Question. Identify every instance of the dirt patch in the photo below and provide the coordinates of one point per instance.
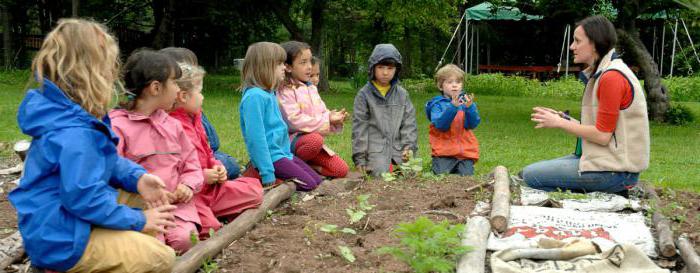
(8, 216)
(290, 239)
(683, 209)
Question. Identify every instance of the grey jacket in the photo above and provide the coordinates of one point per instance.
(382, 127)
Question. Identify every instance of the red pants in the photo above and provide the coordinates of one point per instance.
(226, 200)
(309, 147)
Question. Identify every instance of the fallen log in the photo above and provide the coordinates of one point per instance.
(690, 257)
(664, 235)
(11, 250)
(192, 260)
(476, 236)
(12, 170)
(500, 204)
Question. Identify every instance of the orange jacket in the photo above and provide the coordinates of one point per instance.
(458, 141)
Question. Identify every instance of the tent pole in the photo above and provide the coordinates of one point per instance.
(471, 50)
(673, 51)
(477, 51)
(568, 41)
(451, 39)
(466, 44)
(663, 46)
(691, 40)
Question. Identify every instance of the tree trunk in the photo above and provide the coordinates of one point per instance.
(318, 41)
(406, 70)
(281, 11)
(6, 38)
(657, 95)
(75, 7)
(163, 31)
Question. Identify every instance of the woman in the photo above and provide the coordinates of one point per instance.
(613, 134)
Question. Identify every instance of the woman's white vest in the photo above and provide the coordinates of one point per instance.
(628, 149)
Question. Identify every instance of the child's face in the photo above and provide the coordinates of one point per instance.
(279, 71)
(192, 100)
(451, 86)
(384, 73)
(168, 94)
(301, 66)
(316, 74)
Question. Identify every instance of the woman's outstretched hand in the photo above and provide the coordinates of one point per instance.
(546, 117)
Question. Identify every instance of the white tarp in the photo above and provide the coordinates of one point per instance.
(594, 201)
(528, 224)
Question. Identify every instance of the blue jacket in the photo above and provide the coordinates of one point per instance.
(212, 136)
(264, 131)
(441, 112)
(70, 178)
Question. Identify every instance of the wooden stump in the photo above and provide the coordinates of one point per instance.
(663, 227)
(476, 236)
(192, 260)
(500, 205)
(690, 257)
(21, 147)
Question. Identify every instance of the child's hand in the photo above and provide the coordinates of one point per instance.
(183, 193)
(456, 101)
(211, 176)
(152, 190)
(468, 100)
(221, 172)
(406, 154)
(159, 218)
(336, 117)
(362, 169)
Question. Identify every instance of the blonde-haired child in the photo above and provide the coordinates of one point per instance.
(150, 137)
(220, 197)
(306, 114)
(452, 115)
(66, 201)
(263, 127)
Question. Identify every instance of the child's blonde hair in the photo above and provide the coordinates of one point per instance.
(260, 65)
(449, 70)
(82, 59)
(190, 75)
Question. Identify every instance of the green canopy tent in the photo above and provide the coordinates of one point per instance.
(483, 12)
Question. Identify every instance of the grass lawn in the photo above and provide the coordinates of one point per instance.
(506, 134)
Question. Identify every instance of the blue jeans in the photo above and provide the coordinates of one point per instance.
(451, 165)
(562, 173)
(230, 163)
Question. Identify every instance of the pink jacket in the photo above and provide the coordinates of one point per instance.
(304, 110)
(159, 144)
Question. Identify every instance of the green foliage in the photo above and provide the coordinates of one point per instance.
(605, 8)
(679, 114)
(411, 168)
(389, 177)
(346, 253)
(209, 266)
(363, 206)
(561, 195)
(427, 246)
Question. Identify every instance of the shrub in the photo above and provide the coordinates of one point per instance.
(679, 114)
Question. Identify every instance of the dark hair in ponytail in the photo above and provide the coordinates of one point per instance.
(143, 67)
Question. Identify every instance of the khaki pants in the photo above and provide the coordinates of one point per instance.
(124, 251)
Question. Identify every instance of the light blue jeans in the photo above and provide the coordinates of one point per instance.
(562, 173)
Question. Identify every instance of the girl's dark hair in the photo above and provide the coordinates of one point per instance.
(181, 55)
(293, 49)
(144, 67)
(601, 32)
(388, 62)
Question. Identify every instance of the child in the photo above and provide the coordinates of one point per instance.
(150, 137)
(219, 197)
(307, 116)
(315, 71)
(233, 170)
(384, 120)
(453, 116)
(66, 200)
(262, 125)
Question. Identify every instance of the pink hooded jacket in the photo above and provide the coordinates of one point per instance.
(159, 144)
(304, 110)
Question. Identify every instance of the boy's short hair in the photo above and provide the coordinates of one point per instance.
(449, 70)
(388, 62)
(315, 60)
